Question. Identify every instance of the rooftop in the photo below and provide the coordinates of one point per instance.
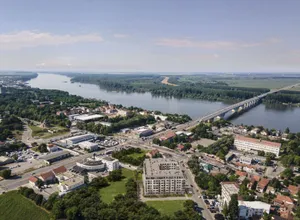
(88, 117)
(33, 179)
(231, 187)
(161, 167)
(47, 175)
(257, 141)
(55, 155)
(263, 182)
(256, 205)
(283, 199)
(60, 169)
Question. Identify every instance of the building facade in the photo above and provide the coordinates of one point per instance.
(251, 144)
(249, 209)
(163, 177)
(111, 163)
(228, 189)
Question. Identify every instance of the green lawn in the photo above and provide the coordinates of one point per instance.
(108, 193)
(14, 206)
(43, 133)
(137, 155)
(167, 207)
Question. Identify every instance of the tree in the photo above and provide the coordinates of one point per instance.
(99, 182)
(225, 210)
(267, 216)
(115, 175)
(38, 199)
(287, 173)
(39, 183)
(268, 161)
(5, 173)
(233, 208)
(287, 130)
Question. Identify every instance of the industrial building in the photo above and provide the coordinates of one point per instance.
(52, 157)
(145, 132)
(88, 118)
(77, 139)
(251, 144)
(89, 146)
(163, 177)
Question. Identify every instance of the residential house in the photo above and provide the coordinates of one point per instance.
(47, 177)
(293, 190)
(283, 200)
(152, 153)
(271, 190)
(168, 136)
(180, 147)
(253, 181)
(59, 170)
(262, 185)
(33, 181)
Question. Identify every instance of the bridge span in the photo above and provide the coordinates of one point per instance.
(246, 104)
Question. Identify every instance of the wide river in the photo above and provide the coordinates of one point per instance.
(278, 118)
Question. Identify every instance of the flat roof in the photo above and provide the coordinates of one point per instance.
(153, 167)
(80, 137)
(231, 187)
(256, 205)
(88, 117)
(87, 144)
(258, 141)
(55, 155)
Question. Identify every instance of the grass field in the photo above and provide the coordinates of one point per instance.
(14, 206)
(167, 207)
(261, 83)
(108, 193)
(43, 133)
(137, 155)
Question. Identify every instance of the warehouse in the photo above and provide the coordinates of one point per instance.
(50, 158)
(88, 118)
(78, 139)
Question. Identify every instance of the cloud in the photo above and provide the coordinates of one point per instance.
(121, 35)
(23, 39)
(188, 43)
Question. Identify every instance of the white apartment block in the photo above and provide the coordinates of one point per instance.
(163, 177)
(251, 144)
(228, 189)
(248, 209)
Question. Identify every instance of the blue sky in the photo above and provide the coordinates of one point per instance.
(150, 35)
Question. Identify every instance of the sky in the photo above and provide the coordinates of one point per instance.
(150, 35)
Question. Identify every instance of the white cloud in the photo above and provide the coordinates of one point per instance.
(121, 35)
(188, 43)
(34, 39)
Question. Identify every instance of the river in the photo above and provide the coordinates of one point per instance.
(275, 117)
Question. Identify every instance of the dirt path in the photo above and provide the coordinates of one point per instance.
(165, 81)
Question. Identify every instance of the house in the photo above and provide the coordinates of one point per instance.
(180, 147)
(59, 170)
(264, 133)
(293, 190)
(283, 200)
(168, 136)
(271, 190)
(52, 148)
(152, 153)
(47, 177)
(32, 181)
(253, 181)
(262, 185)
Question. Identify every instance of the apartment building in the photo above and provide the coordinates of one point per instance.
(163, 177)
(249, 209)
(251, 144)
(228, 189)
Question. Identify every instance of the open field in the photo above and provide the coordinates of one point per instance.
(165, 81)
(108, 193)
(137, 155)
(14, 206)
(261, 83)
(167, 207)
(43, 132)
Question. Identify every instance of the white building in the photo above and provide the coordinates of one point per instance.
(92, 165)
(248, 209)
(52, 148)
(78, 139)
(228, 189)
(70, 184)
(86, 117)
(251, 144)
(246, 160)
(111, 163)
(87, 145)
(163, 177)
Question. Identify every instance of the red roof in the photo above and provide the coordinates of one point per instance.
(283, 199)
(168, 136)
(253, 140)
(263, 183)
(59, 170)
(180, 147)
(255, 178)
(153, 152)
(240, 173)
(293, 189)
(33, 179)
(47, 175)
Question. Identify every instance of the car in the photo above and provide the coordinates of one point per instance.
(192, 185)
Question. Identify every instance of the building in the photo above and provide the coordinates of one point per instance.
(152, 153)
(206, 167)
(77, 139)
(56, 156)
(5, 160)
(52, 148)
(249, 209)
(89, 146)
(88, 118)
(70, 183)
(168, 136)
(228, 189)
(283, 200)
(246, 160)
(32, 181)
(47, 177)
(2, 90)
(59, 170)
(251, 144)
(111, 163)
(293, 190)
(163, 177)
(91, 164)
(262, 185)
(180, 147)
(145, 132)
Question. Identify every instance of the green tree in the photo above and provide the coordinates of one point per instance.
(115, 175)
(287, 173)
(5, 173)
(225, 210)
(233, 208)
(287, 130)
